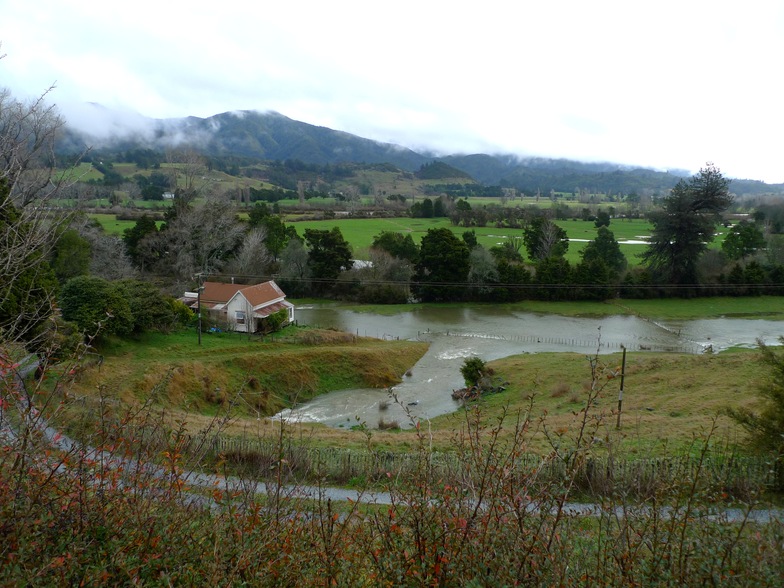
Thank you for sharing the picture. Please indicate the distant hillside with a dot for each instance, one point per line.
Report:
(256, 135)
(270, 136)
(438, 170)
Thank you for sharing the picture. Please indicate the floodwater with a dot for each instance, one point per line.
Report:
(493, 332)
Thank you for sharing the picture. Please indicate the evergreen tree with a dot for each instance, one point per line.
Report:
(397, 245)
(71, 256)
(513, 282)
(554, 276)
(427, 208)
(328, 255)
(605, 248)
(685, 225)
(442, 270)
(96, 306)
(144, 226)
(743, 240)
(592, 279)
(438, 208)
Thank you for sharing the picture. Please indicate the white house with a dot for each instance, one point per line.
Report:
(242, 308)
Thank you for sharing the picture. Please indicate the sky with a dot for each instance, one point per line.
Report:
(661, 84)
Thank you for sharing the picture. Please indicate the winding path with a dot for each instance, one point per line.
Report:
(35, 421)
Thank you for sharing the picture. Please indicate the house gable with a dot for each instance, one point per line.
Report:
(253, 303)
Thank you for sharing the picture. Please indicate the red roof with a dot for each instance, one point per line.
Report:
(218, 293)
(271, 309)
(261, 293)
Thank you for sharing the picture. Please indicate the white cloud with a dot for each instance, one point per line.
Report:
(665, 84)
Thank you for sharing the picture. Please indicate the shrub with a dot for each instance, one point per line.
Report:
(473, 369)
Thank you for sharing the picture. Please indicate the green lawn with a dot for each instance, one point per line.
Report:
(112, 226)
(360, 232)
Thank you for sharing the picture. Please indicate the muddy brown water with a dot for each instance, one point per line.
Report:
(488, 332)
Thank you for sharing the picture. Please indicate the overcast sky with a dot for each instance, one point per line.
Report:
(660, 84)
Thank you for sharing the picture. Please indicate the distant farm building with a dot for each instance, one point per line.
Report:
(240, 307)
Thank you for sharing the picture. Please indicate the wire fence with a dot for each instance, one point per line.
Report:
(572, 342)
(568, 342)
(735, 474)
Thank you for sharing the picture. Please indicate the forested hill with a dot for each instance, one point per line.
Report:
(250, 135)
(562, 175)
(271, 136)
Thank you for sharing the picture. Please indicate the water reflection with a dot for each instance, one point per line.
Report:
(492, 332)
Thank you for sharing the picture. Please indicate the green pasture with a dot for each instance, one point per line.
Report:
(112, 226)
(670, 398)
(360, 232)
(747, 307)
(84, 172)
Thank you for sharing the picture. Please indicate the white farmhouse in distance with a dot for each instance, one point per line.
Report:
(240, 307)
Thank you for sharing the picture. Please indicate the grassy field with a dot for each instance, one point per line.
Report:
(767, 307)
(360, 233)
(262, 375)
(670, 398)
(112, 226)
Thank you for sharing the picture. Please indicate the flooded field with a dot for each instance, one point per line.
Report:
(490, 333)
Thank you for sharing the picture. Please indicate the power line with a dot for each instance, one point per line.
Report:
(513, 285)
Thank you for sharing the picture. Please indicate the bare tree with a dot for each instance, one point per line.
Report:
(189, 166)
(483, 269)
(390, 272)
(252, 259)
(28, 221)
(549, 239)
(294, 267)
(108, 257)
(201, 240)
(132, 190)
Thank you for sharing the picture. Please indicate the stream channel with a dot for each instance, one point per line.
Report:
(493, 332)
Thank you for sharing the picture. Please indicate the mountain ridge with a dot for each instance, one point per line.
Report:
(273, 136)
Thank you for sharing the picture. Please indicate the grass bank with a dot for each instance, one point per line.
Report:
(255, 376)
(670, 399)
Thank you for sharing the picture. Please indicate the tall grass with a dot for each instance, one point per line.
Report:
(130, 502)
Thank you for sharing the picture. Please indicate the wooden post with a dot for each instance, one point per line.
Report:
(620, 392)
(198, 306)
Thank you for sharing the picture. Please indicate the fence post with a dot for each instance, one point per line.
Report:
(620, 391)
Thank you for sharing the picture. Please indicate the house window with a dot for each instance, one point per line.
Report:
(239, 317)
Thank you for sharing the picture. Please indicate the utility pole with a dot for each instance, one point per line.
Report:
(620, 392)
(198, 305)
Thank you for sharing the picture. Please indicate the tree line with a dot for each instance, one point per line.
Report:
(209, 239)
